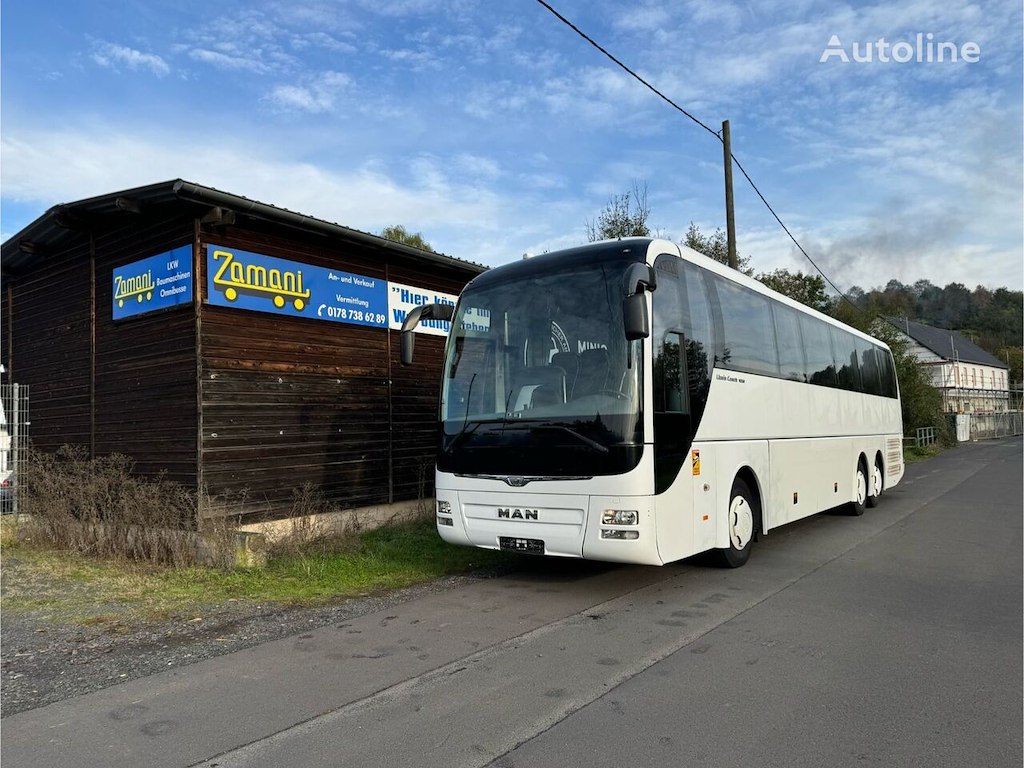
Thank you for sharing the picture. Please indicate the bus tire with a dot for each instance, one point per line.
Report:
(741, 521)
(876, 485)
(860, 491)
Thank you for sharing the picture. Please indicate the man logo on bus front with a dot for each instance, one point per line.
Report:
(517, 482)
(507, 513)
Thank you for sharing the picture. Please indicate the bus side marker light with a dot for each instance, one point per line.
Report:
(706, 518)
(795, 497)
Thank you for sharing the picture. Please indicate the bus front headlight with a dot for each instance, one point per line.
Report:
(620, 517)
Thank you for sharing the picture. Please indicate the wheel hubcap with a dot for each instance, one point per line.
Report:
(741, 522)
(862, 489)
(877, 480)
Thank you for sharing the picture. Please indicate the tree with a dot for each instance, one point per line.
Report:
(856, 295)
(624, 216)
(715, 246)
(807, 289)
(400, 234)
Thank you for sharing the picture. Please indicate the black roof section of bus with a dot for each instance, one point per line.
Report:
(564, 259)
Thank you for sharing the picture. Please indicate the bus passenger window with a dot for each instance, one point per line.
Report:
(790, 343)
(821, 367)
(670, 379)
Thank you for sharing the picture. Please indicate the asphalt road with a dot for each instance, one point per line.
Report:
(892, 639)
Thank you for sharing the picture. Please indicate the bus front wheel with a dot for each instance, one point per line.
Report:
(741, 522)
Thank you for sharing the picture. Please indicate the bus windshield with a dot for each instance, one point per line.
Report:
(539, 379)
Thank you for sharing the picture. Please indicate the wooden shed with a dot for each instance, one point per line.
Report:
(241, 348)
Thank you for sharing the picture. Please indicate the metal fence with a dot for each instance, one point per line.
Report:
(988, 425)
(14, 424)
(925, 436)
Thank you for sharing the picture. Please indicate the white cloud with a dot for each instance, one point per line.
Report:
(648, 17)
(517, 132)
(323, 40)
(318, 94)
(115, 56)
(478, 167)
(416, 60)
(229, 61)
(61, 166)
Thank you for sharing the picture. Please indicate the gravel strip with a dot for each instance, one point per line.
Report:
(44, 659)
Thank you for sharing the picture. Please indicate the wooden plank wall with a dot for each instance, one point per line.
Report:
(46, 342)
(126, 387)
(146, 389)
(288, 401)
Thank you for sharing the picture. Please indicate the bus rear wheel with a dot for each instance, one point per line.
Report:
(741, 522)
(876, 486)
(860, 492)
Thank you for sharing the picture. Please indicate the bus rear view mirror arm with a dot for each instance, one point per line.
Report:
(424, 312)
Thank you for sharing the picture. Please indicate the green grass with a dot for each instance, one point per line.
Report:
(385, 558)
(915, 453)
(82, 589)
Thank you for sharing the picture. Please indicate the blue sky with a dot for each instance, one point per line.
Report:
(494, 130)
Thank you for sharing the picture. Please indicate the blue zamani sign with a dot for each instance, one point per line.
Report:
(160, 281)
(259, 283)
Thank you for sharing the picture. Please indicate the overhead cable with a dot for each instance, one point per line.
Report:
(716, 134)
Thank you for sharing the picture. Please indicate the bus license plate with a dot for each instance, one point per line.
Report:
(533, 546)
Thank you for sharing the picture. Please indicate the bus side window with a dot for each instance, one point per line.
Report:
(792, 365)
(821, 368)
(670, 375)
(869, 374)
(844, 351)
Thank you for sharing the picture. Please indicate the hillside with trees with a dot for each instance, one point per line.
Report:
(992, 319)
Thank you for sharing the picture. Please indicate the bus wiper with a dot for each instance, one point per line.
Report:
(463, 435)
(562, 428)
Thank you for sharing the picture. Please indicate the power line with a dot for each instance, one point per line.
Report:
(710, 130)
(650, 87)
(786, 230)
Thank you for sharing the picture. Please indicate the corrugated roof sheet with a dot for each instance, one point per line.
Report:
(63, 222)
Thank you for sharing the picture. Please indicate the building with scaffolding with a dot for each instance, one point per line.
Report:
(971, 380)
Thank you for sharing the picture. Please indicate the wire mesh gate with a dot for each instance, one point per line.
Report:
(14, 424)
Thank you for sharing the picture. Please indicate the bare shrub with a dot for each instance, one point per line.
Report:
(318, 525)
(218, 543)
(98, 507)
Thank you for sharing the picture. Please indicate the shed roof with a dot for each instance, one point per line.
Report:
(947, 344)
(64, 223)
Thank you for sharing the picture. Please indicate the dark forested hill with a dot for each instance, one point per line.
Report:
(993, 319)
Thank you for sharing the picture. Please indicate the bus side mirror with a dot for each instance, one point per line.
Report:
(634, 316)
(424, 312)
(637, 324)
(408, 344)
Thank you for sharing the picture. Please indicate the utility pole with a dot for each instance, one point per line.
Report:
(730, 216)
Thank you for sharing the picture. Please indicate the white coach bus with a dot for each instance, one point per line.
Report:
(635, 401)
